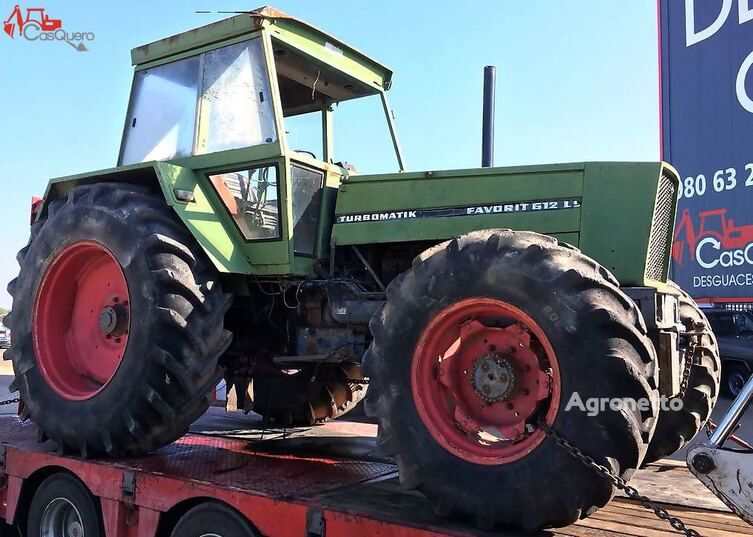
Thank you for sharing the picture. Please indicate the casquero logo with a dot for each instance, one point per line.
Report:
(716, 242)
(34, 24)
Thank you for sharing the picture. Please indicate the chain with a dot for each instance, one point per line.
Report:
(10, 401)
(688, 369)
(690, 356)
(617, 481)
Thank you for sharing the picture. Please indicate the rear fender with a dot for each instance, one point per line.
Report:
(203, 215)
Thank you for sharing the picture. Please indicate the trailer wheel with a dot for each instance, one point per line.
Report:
(213, 519)
(675, 428)
(63, 507)
(481, 339)
(117, 323)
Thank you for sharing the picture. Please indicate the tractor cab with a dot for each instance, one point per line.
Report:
(219, 100)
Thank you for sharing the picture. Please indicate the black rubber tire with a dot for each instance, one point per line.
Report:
(69, 488)
(603, 351)
(310, 396)
(675, 428)
(734, 378)
(213, 518)
(170, 365)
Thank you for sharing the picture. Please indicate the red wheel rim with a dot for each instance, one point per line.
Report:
(482, 373)
(81, 320)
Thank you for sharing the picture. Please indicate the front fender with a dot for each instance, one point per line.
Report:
(203, 216)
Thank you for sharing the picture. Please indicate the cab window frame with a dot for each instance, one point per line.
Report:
(282, 215)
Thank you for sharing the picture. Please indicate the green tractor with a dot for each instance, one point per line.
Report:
(478, 311)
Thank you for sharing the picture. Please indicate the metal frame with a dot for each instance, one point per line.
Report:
(727, 472)
(133, 500)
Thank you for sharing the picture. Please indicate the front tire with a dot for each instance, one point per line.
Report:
(117, 323)
(509, 303)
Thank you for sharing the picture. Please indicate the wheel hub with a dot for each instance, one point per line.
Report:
(75, 529)
(113, 320)
(81, 320)
(483, 373)
(493, 377)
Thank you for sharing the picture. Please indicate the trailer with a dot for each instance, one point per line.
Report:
(325, 481)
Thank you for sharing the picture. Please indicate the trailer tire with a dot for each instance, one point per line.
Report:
(675, 428)
(572, 306)
(213, 518)
(139, 371)
(63, 499)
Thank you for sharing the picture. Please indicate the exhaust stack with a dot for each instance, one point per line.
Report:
(487, 129)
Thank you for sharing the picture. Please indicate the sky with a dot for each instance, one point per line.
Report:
(576, 80)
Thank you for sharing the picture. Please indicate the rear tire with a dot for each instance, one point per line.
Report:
(213, 519)
(600, 343)
(173, 324)
(60, 503)
(675, 428)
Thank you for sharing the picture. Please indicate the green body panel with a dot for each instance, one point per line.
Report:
(211, 228)
(611, 223)
(617, 213)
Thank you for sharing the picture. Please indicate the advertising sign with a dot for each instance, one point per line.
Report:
(707, 134)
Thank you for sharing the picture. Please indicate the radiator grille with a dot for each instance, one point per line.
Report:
(658, 249)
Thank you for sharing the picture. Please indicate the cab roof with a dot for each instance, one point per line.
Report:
(295, 33)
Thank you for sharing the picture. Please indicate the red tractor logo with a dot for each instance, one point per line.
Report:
(713, 223)
(34, 16)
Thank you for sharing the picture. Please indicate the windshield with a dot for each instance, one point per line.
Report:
(215, 101)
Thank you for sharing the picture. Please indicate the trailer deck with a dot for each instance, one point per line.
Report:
(323, 481)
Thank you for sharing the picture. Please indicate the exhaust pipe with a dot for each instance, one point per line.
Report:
(487, 129)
